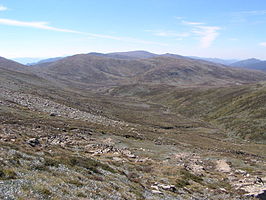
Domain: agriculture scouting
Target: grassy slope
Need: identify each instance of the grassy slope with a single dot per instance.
(240, 110)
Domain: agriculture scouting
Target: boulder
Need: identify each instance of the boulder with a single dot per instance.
(33, 142)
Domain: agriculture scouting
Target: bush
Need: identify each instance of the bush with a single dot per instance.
(7, 174)
(186, 176)
(87, 163)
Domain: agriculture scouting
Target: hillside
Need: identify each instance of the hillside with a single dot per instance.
(174, 71)
(135, 55)
(253, 64)
(89, 69)
(12, 65)
(239, 110)
(259, 66)
(86, 69)
(245, 63)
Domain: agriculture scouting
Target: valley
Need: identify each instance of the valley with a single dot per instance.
(130, 127)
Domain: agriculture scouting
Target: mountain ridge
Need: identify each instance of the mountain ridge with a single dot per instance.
(142, 54)
(216, 60)
(133, 55)
(163, 69)
(12, 65)
(251, 63)
(246, 62)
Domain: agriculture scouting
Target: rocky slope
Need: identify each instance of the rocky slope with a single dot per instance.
(46, 155)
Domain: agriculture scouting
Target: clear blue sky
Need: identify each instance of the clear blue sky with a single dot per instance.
(209, 28)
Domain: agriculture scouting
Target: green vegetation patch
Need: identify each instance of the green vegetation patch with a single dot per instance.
(219, 185)
(43, 190)
(186, 177)
(86, 163)
(6, 174)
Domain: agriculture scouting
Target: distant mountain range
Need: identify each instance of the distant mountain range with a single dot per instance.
(251, 63)
(131, 55)
(33, 61)
(121, 68)
(134, 55)
(26, 60)
(245, 63)
(48, 60)
(133, 67)
(217, 60)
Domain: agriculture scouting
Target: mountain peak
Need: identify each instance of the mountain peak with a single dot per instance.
(135, 54)
(246, 62)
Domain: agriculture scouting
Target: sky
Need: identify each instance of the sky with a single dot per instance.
(206, 28)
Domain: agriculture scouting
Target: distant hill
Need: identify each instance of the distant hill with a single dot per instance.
(259, 66)
(252, 63)
(115, 56)
(26, 60)
(134, 54)
(180, 71)
(216, 60)
(130, 55)
(94, 68)
(245, 63)
(91, 69)
(173, 56)
(48, 60)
